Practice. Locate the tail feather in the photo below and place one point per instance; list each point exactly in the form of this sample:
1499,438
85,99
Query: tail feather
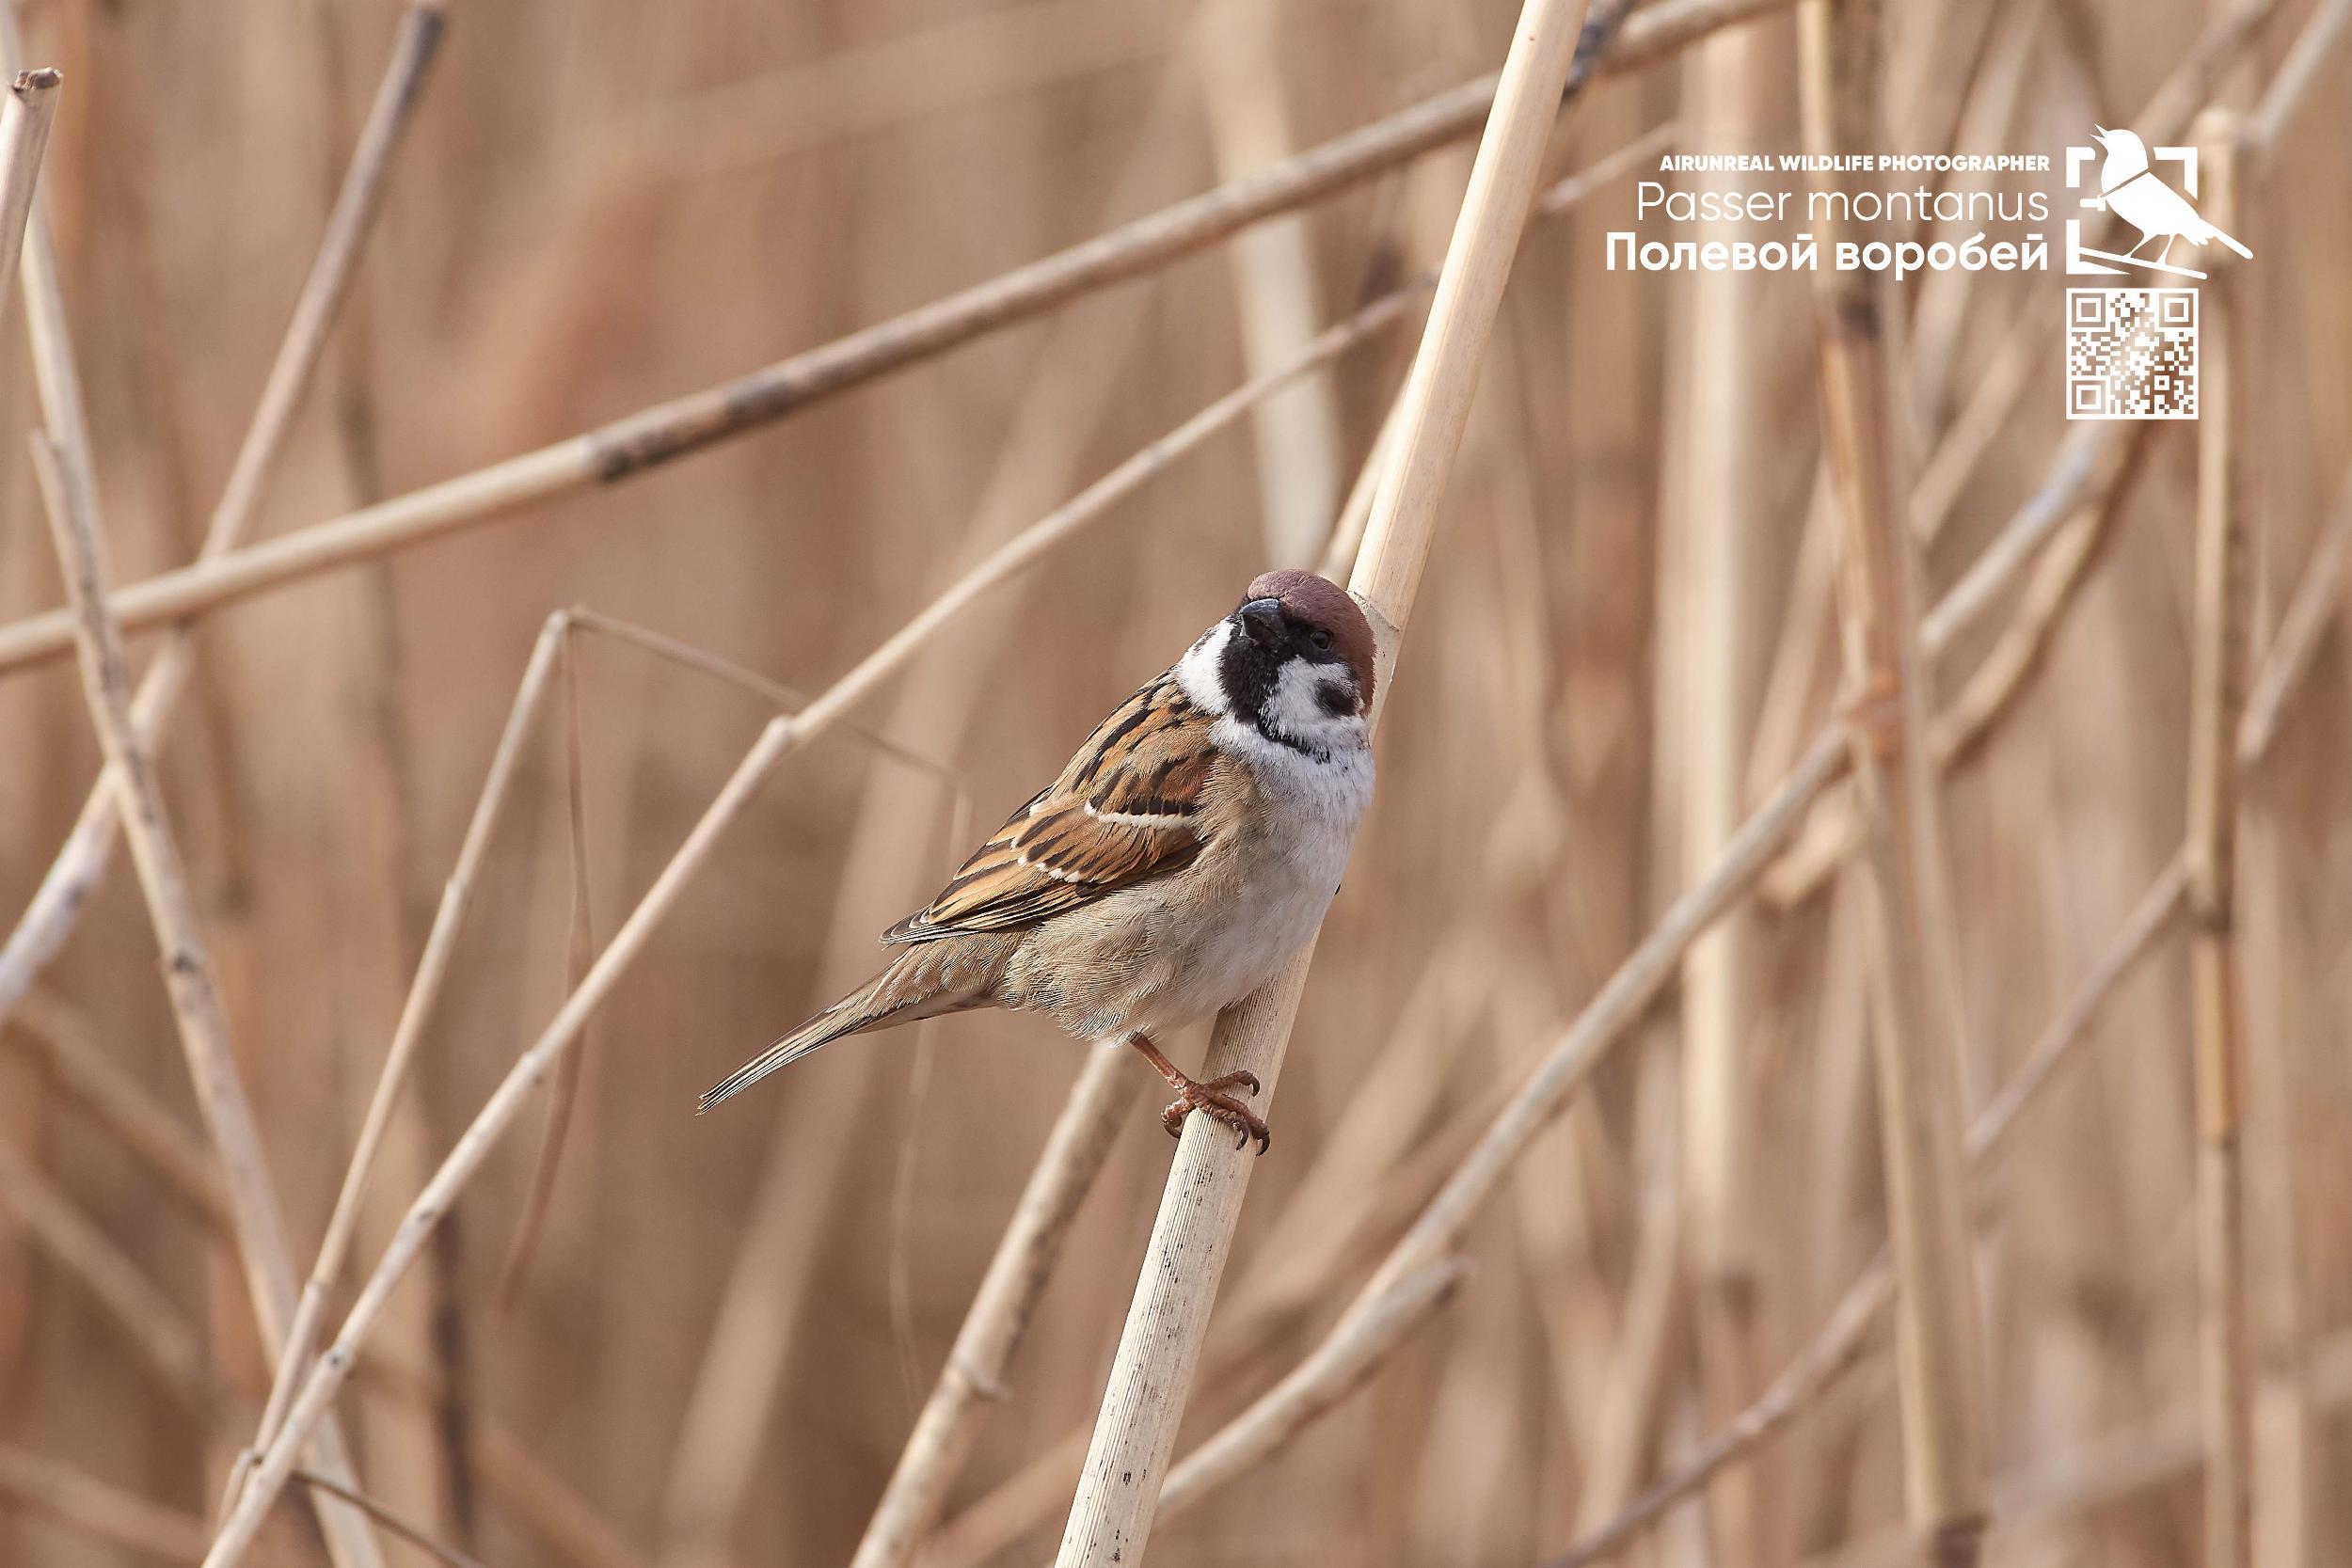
845,1016
2233,245
921,983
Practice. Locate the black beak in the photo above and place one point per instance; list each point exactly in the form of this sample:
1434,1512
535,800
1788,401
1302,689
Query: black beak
1262,620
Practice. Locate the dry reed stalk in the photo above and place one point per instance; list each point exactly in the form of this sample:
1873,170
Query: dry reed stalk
25,117
2025,636
655,435
1347,530
2216,695
1988,118
781,736
68,482
1802,671
1627,1411
1276,295
417,1010
981,1359
1915,1001
415,1534
550,1506
116,1097
81,863
541,1499
1970,436
2315,602
1844,1335
2087,453
98,1510
156,1327
1119,1490
579,952
1709,585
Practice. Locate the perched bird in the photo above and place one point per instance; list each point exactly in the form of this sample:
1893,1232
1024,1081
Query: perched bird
2147,203
1186,851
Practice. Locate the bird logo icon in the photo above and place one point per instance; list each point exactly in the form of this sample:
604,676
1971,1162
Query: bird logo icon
2131,188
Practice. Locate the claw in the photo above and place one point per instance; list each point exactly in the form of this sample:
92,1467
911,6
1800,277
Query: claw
1193,1095
1222,1108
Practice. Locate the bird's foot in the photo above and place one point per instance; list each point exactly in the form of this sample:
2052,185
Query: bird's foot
1211,1095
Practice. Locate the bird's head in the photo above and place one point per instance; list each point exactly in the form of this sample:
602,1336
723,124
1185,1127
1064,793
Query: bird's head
1294,659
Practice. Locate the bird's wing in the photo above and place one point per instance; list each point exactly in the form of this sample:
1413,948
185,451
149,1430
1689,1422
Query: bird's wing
1132,805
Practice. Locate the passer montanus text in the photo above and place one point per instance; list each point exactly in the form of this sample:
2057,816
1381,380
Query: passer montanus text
1188,850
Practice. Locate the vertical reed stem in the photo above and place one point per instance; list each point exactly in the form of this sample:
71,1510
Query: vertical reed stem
1708,595
2216,695
1913,990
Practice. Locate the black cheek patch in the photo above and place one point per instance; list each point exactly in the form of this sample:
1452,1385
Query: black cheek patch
1337,699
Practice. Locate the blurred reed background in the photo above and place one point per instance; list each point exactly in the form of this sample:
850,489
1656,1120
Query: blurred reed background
714,1352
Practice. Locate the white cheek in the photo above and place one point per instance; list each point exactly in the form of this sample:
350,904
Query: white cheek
1196,672
1296,708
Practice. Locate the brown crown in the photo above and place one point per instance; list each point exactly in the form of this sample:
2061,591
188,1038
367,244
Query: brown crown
1317,601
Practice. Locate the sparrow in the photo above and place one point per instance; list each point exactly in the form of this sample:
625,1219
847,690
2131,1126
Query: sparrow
2128,186
1188,849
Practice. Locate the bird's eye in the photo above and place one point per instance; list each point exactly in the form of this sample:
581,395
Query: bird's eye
1319,639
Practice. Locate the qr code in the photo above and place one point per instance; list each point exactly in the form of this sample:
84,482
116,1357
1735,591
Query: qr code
2131,354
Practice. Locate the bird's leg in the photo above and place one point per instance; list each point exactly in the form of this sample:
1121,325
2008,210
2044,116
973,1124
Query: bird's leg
1206,1095
2163,255
2134,250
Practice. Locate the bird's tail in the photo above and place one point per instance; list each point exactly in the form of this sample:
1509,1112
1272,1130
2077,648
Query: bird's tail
917,985
2233,245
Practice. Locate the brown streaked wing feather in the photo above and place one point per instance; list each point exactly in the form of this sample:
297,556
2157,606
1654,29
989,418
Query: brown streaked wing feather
1126,809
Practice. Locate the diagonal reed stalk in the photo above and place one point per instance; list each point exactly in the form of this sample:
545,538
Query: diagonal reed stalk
631,445
155,1328
2316,600
116,1097
1119,1489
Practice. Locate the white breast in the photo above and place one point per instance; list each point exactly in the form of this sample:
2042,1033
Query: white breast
1294,864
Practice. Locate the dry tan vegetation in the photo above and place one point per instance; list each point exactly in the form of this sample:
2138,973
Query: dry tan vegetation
548,527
